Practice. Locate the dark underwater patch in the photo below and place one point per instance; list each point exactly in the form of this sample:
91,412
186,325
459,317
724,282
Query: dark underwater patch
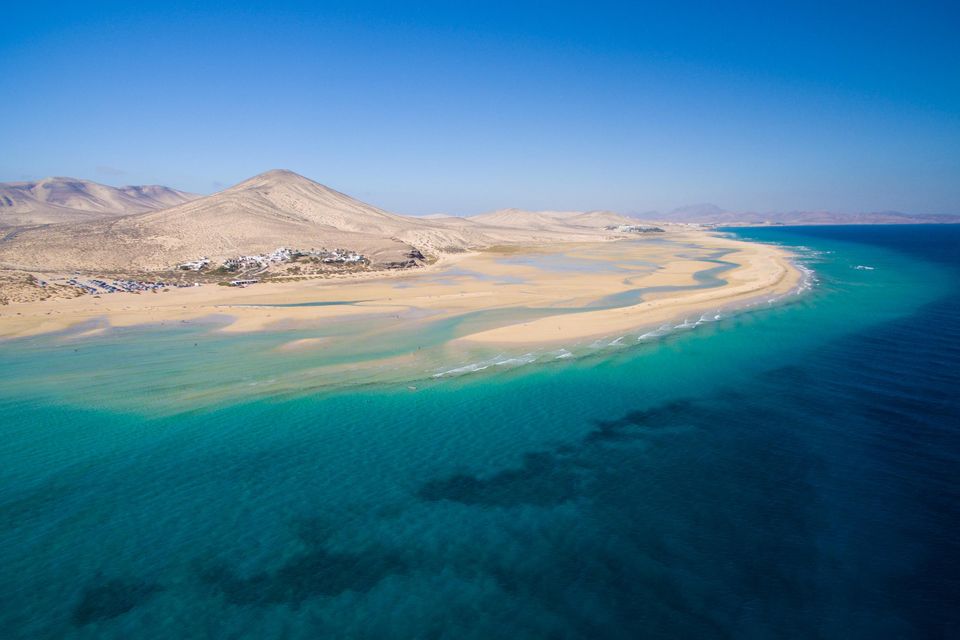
554,477
316,573
544,480
111,599
618,429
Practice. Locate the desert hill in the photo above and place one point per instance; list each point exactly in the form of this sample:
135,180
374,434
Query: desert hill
56,200
275,209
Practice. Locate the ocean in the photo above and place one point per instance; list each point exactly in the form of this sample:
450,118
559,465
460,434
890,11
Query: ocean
791,470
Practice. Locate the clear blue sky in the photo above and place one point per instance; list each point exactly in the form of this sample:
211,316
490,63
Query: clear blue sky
463,107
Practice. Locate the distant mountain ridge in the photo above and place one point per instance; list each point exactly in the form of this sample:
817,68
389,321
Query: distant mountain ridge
707,213
95,231
550,220
58,199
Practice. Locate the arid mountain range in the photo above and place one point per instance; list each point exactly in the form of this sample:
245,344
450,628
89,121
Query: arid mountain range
712,214
55,200
274,209
61,224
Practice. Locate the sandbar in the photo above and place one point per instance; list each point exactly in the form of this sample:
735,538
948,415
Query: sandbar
562,282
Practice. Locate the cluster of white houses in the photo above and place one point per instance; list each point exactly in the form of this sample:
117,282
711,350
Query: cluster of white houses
278,255
340,256
196,265
258,261
633,228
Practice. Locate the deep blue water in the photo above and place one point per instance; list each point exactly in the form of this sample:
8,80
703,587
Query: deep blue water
788,472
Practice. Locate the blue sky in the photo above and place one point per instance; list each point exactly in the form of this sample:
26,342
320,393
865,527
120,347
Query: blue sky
463,107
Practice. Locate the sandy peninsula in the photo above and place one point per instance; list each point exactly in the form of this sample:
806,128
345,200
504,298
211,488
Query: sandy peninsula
562,285
345,274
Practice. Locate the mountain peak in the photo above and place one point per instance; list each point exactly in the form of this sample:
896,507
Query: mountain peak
60,179
277,178
280,173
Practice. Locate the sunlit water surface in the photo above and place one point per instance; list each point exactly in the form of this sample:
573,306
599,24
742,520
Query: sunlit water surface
787,471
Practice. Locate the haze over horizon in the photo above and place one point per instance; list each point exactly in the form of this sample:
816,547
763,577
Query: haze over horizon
476,108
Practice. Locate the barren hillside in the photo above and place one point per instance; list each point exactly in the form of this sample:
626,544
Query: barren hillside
57,200
274,209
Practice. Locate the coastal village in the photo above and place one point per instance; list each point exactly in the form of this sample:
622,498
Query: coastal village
246,269
280,255
260,264
633,228
280,265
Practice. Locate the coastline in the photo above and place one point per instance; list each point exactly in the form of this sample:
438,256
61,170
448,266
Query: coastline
566,278
765,274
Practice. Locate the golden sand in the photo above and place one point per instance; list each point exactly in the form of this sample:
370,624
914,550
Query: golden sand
459,284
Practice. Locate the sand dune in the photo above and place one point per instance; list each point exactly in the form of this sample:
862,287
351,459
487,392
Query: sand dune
57,200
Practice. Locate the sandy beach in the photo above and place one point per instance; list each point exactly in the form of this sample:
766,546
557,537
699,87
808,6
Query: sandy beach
567,277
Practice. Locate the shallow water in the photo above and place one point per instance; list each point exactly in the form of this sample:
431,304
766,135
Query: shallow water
704,279
788,471
562,262
375,346
325,303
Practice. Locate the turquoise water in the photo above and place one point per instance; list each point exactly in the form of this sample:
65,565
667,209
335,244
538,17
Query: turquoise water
787,471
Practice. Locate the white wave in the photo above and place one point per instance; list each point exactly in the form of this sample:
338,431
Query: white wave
524,359
467,368
497,361
656,333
